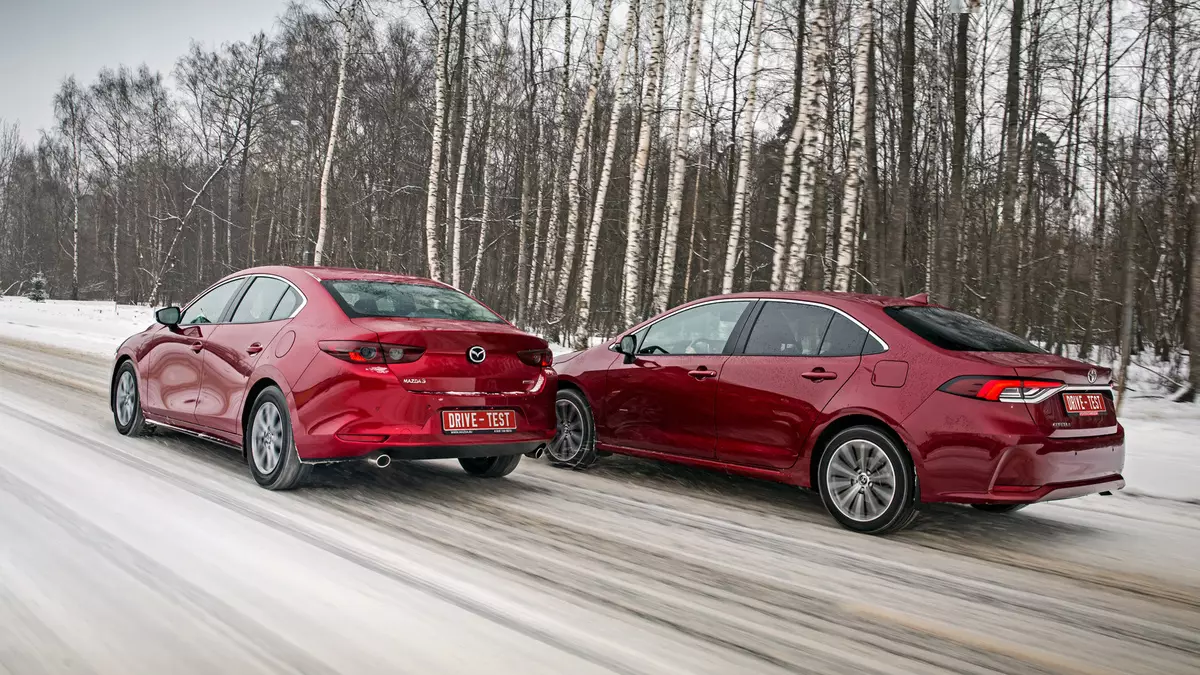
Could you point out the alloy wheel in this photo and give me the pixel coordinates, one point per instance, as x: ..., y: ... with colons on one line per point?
x: 126, y: 398
x: 568, y: 442
x: 266, y: 438
x: 861, y: 480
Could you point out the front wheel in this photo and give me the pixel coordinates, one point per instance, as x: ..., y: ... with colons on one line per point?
x: 574, y: 445
x: 867, y: 482
x: 490, y: 467
x: 126, y: 402
x: 270, y: 448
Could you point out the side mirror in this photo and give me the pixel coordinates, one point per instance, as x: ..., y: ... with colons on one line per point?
x: 628, y: 347
x: 169, y: 316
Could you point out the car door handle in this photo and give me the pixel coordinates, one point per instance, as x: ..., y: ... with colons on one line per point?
x: 702, y: 373
x: 819, y: 375
x: 254, y: 348
x: 197, y: 347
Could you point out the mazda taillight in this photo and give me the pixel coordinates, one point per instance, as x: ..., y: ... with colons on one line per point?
x: 1005, y: 390
x: 542, y: 358
x: 370, y: 352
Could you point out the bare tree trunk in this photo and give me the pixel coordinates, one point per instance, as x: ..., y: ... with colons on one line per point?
x: 1193, y: 268
x: 347, y: 19
x: 465, y: 151
x: 746, y: 144
x: 787, y: 190
x: 850, y: 199
x: 789, y: 272
x: 954, y: 206
x: 637, y: 181
x: 1100, y: 219
x: 574, y: 198
x: 683, y: 127
x: 433, y: 253
x: 898, y: 221
x: 487, y: 204
x: 1008, y: 235
x: 588, y: 267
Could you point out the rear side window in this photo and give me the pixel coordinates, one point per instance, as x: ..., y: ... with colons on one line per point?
x: 844, y: 338
x: 958, y: 332
x: 287, y: 305
x: 789, y: 329
x: 260, y: 300
x: 394, y: 300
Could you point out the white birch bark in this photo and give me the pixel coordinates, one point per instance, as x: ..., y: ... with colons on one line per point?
x: 487, y: 207
x: 464, y: 152
x: 813, y: 139
x: 574, y: 198
x: 844, y: 279
x: 347, y: 18
x: 637, y: 180
x: 588, y: 266
x: 433, y: 253
x: 683, y: 128
x: 745, y: 142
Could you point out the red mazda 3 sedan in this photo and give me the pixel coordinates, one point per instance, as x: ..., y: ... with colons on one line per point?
x: 299, y: 366
x: 878, y: 403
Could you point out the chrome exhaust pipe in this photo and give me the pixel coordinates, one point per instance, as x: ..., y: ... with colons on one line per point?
x: 537, y: 452
x: 380, y: 461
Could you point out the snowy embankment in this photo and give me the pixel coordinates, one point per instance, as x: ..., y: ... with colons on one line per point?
x: 1162, y: 438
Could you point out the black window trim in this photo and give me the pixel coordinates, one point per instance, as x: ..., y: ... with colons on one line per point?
x: 730, y: 344
x: 232, y: 309
x: 762, y: 302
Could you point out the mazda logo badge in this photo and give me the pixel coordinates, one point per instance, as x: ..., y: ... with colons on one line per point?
x: 1092, y: 376
x: 476, y: 354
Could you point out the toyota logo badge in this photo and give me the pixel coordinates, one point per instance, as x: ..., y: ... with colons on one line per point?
x: 1092, y: 376
x: 476, y: 354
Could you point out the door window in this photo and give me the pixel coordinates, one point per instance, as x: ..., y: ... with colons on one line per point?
x: 209, y: 307
x: 259, y: 302
x: 789, y: 329
x: 702, y: 330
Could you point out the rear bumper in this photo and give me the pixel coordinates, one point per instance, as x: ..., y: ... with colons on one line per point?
x: 1022, y: 494
x: 418, y: 452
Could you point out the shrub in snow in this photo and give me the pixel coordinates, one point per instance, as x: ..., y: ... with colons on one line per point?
x: 37, y: 288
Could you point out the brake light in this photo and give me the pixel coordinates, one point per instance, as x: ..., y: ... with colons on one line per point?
x: 542, y: 358
x: 370, y: 352
x: 1005, y: 390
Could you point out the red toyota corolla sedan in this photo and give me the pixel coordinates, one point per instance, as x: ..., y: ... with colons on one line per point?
x: 878, y: 403
x: 299, y: 366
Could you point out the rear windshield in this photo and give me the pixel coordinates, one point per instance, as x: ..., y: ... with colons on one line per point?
x: 392, y: 300
x: 959, y: 332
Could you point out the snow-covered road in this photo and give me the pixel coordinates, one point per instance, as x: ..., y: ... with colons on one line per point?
x: 161, y: 555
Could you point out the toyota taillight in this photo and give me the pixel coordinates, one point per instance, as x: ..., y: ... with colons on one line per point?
x: 1006, y: 390
x: 370, y: 352
x: 542, y: 358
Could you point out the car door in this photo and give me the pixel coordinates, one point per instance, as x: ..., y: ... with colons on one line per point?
x: 664, y: 399
x: 173, y: 364
x: 771, y: 392
x: 234, y: 348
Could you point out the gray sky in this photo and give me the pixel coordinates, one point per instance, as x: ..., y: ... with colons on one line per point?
x: 44, y: 41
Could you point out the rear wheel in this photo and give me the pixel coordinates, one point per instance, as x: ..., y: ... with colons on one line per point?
x: 999, y: 508
x: 126, y: 402
x: 867, y: 482
x: 270, y: 448
x: 575, y: 443
x: 490, y: 467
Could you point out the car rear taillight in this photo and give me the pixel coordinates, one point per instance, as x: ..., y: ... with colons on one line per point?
x: 542, y: 358
x: 370, y: 352
x: 1006, y: 390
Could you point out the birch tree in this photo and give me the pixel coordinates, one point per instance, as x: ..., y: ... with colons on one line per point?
x: 433, y: 253
x: 637, y: 180
x: 68, y: 108
x: 345, y: 13
x: 745, y: 145
x: 844, y: 279
x: 465, y: 151
x: 683, y: 129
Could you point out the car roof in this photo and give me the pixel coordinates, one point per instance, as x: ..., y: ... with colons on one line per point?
x: 826, y: 297
x: 342, y: 274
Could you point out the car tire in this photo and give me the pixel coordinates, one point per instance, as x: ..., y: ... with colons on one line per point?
x: 125, y: 399
x: 867, y: 481
x: 269, y: 445
x: 490, y: 467
x: 574, y: 446
x: 999, y: 508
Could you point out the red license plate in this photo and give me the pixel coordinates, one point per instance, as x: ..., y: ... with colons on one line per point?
x: 1086, y: 405
x: 478, y: 421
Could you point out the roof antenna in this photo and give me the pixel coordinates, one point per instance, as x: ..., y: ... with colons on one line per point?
x: 922, y: 298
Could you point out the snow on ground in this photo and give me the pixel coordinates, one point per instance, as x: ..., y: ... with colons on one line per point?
x: 1162, y: 438
x: 85, y: 326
